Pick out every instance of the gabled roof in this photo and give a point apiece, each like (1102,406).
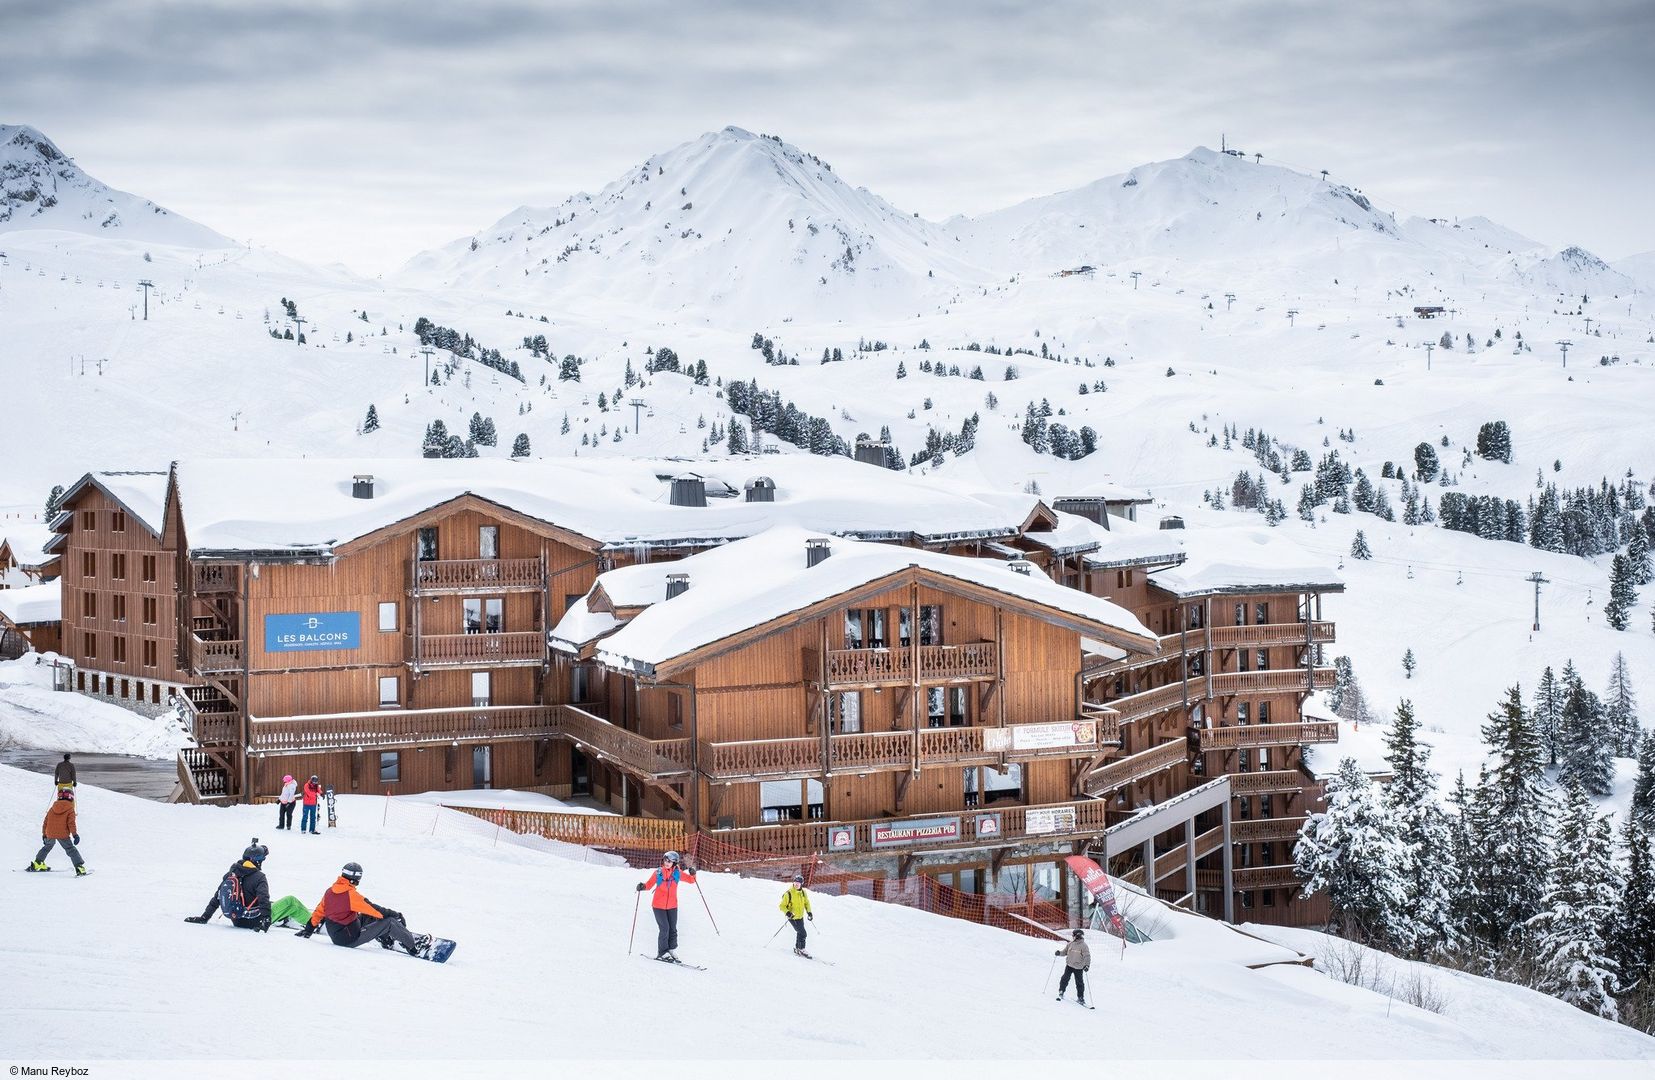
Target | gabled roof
(306,509)
(763,584)
(141,493)
(27,543)
(1245,559)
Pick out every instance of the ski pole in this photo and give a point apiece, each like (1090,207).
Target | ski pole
(704,904)
(1046,988)
(634,931)
(777,934)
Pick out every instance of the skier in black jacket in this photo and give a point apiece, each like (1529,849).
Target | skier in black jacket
(244,894)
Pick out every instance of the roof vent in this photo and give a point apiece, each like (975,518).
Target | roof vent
(761,489)
(676,584)
(816,551)
(362,486)
(688,490)
(1172,521)
(1021,566)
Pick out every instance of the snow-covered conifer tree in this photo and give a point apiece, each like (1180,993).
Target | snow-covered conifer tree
(1359,547)
(1431,874)
(1621,709)
(1548,714)
(1577,912)
(1586,745)
(1512,813)
(1353,852)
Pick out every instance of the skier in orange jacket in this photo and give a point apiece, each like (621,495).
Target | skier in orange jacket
(665,903)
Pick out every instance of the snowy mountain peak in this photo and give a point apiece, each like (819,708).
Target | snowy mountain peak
(41,187)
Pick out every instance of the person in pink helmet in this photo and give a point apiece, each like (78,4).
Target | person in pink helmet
(289,797)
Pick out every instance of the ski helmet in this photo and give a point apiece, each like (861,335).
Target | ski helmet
(671,856)
(255,853)
(798,879)
(1079,934)
(66,793)
(352,873)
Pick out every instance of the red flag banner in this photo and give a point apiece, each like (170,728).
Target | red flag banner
(1101,889)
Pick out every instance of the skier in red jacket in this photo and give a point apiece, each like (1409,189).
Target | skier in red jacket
(312,792)
(665,903)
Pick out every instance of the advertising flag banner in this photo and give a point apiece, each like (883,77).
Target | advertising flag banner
(1102,891)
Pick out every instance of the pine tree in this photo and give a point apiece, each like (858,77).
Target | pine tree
(370,423)
(1512,812)
(1643,789)
(1621,709)
(1352,851)
(1577,911)
(54,501)
(1408,664)
(1426,465)
(1359,547)
(1586,743)
(1548,714)
(520,445)
(1432,873)
(1622,597)
(1633,936)
(1637,556)
(564,430)
(737,443)
(436,440)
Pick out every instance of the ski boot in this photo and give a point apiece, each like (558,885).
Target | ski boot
(422,946)
(81,870)
(37,868)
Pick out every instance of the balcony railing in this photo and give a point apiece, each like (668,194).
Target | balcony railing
(1277,782)
(388,728)
(1265,877)
(1172,862)
(655,759)
(214,577)
(854,667)
(1135,767)
(461,575)
(1230,738)
(1294,633)
(472,650)
(208,656)
(1051,821)
(1262,830)
(1280,679)
(1162,698)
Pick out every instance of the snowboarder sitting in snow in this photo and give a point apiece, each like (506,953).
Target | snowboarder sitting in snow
(244,894)
(1078,961)
(352,920)
(60,828)
(795,907)
(665,903)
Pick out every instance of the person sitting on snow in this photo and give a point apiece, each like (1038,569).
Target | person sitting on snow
(243,896)
(352,919)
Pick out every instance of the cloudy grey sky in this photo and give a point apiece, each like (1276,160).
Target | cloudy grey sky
(362,131)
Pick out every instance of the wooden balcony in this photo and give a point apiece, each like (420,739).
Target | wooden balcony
(1135,767)
(215,656)
(392,728)
(1051,821)
(1161,699)
(478,575)
(873,667)
(1282,876)
(1264,830)
(1171,862)
(1267,634)
(479,650)
(1232,738)
(1277,782)
(653,759)
(212,577)
(1280,680)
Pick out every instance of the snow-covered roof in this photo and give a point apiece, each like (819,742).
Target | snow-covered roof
(1133,543)
(306,507)
(141,493)
(756,581)
(1105,490)
(27,542)
(1074,535)
(32,604)
(1245,559)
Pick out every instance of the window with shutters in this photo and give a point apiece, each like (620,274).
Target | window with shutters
(151,610)
(117,649)
(150,653)
(88,605)
(117,521)
(149,568)
(117,566)
(117,607)
(89,564)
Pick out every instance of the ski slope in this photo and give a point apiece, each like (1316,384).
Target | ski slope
(543,969)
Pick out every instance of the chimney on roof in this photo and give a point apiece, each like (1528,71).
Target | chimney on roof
(688,490)
(362,486)
(761,489)
(1172,521)
(1021,566)
(676,584)
(872,451)
(815,552)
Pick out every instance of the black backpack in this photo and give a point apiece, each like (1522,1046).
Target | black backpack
(231,900)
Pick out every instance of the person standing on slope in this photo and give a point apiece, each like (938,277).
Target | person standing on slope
(60,828)
(352,919)
(64,774)
(795,907)
(1077,961)
(665,903)
(290,792)
(244,893)
(313,792)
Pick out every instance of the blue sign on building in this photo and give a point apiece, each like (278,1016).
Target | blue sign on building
(312,631)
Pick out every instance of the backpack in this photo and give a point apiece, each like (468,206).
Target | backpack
(231,900)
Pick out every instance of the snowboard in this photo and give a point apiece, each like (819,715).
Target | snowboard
(672,963)
(441,949)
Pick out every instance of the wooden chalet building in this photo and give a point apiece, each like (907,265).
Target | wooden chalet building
(31,618)
(802,694)
(23,557)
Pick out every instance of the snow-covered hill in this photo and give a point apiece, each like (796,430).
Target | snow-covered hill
(42,188)
(543,971)
(732,221)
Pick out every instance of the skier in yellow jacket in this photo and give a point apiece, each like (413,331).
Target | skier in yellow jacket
(795,906)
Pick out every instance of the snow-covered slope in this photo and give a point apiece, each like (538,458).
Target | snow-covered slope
(43,188)
(543,967)
(732,220)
